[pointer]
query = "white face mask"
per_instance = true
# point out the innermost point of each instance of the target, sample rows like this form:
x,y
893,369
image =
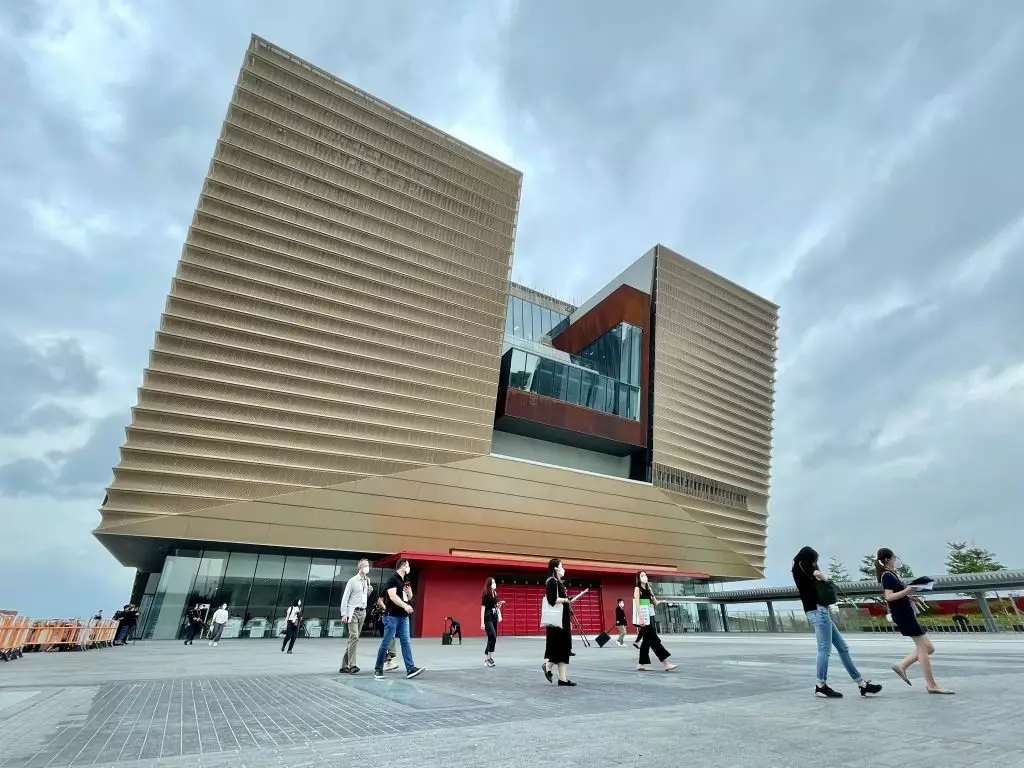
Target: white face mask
x,y
643,578
299,604
560,571
364,570
896,563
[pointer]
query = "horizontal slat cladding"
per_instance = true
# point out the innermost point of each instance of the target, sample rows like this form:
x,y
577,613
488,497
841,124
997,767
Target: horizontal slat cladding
x,y
309,378
230,179
290,478
338,310
313,423
745,533
300,133
286,228
338,334
714,377
356,290
354,185
272,102
362,403
393,126
218,236
224,344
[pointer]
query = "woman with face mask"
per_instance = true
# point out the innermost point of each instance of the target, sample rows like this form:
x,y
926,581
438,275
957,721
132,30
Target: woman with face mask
x,y
490,615
643,606
292,622
220,618
558,645
897,595
807,577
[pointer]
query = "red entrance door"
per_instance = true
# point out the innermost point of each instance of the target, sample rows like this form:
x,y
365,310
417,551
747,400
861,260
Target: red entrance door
x,y
521,614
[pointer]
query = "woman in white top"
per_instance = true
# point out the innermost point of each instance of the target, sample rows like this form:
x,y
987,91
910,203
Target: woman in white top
x,y
220,618
292,622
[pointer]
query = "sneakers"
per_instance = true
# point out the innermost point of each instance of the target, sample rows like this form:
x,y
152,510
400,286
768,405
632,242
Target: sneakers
x,y
390,666
414,672
378,674
211,643
214,645
345,671
869,688
488,662
824,692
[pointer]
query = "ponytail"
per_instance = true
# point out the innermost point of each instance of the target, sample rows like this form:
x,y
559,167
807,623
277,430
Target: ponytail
x,y
880,557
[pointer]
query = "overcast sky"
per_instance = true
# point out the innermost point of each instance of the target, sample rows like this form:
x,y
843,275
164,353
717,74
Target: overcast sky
x,y
861,164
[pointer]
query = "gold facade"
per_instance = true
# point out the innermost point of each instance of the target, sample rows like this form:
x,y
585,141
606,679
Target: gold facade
x,y
714,392
337,311
325,371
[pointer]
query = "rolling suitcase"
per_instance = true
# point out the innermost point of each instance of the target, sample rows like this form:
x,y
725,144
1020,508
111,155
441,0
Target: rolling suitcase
x,y
602,639
446,636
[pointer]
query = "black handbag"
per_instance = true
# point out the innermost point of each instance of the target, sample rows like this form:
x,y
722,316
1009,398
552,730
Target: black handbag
x,y
826,592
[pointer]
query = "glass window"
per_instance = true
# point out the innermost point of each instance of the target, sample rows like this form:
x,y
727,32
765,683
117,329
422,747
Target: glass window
x,y
634,403
623,404
517,317
634,367
208,580
610,397
528,320
550,321
573,395
266,586
623,354
600,393
559,384
587,389
508,316
237,583
317,604
538,322
293,584
176,580
517,370
532,361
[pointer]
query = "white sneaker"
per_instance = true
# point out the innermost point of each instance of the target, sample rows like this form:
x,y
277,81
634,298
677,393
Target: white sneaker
x,y
391,666
214,645
211,643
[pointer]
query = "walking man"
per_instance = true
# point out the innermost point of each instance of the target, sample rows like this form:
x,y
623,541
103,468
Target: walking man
x,y
396,622
220,618
620,621
353,613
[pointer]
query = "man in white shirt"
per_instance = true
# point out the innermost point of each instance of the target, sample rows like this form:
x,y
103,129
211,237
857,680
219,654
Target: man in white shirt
x,y
220,618
353,612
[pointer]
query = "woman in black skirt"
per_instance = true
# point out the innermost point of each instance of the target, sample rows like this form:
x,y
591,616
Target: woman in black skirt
x,y
897,595
558,647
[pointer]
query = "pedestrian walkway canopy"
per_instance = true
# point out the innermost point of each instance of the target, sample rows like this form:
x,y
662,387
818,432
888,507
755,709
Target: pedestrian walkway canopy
x,y
971,583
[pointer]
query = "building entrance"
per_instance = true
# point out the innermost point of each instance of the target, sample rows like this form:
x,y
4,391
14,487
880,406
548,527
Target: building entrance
x,y
521,613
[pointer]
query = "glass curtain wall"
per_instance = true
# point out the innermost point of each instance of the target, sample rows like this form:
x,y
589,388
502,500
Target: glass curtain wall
x,y
527,320
572,384
258,589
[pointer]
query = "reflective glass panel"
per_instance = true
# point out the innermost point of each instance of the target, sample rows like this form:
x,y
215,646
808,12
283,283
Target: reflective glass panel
x,y
587,385
172,593
623,404
573,395
517,317
508,316
634,403
318,611
528,320
637,357
266,586
538,322
517,376
237,583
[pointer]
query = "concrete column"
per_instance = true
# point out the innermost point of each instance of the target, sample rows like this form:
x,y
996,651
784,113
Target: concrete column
x,y
986,612
725,617
773,624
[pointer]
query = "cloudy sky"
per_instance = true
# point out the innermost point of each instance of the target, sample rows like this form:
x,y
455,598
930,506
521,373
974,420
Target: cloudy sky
x,y
858,163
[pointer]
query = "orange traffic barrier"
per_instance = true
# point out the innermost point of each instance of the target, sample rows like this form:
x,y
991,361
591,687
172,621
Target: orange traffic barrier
x,y
13,633
19,633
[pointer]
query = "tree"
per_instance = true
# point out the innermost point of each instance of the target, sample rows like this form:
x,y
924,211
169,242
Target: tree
x,y
969,558
836,570
867,569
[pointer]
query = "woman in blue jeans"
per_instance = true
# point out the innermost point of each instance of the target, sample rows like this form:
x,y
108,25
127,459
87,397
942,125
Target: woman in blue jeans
x,y
806,576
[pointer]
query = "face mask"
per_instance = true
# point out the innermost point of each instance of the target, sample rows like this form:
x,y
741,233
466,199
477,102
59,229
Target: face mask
x,y
365,569
896,563
299,603
560,571
643,578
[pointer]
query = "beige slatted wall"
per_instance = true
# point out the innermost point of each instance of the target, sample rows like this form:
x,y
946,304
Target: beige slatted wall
x,y
714,390
338,308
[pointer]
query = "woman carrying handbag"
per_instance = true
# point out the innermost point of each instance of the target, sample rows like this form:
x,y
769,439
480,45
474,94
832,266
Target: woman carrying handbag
x,y
643,606
555,618
817,595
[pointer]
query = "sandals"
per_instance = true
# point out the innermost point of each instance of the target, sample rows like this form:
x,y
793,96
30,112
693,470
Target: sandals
x,y
902,673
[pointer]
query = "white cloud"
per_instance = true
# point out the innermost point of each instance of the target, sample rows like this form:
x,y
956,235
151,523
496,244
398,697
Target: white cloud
x,y
84,51
975,271
62,223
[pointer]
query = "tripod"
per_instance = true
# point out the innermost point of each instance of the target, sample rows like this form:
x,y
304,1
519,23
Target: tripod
x,y
579,627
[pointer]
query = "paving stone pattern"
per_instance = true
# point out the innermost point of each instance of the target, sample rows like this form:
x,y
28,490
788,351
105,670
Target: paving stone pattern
x,y
734,702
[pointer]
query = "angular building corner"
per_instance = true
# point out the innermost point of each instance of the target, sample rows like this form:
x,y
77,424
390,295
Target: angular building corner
x,y
344,369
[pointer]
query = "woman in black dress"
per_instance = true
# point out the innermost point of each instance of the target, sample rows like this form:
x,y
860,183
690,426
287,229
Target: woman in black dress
x,y
897,595
558,646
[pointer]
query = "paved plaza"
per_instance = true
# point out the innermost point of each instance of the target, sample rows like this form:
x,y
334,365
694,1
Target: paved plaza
x,y
735,701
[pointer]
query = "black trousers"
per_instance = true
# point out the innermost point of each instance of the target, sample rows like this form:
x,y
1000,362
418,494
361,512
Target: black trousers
x,y
491,628
193,630
291,631
649,641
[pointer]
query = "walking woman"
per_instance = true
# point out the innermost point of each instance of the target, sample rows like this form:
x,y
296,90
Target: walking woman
x,y
897,595
643,606
490,612
817,595
292,622
558,643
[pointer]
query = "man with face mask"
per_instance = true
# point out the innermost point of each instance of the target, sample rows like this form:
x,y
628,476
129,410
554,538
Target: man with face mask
x,y
353,612
220,618
396,621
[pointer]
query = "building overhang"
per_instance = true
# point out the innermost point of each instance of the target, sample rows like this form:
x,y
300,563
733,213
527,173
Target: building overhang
x,y
576,568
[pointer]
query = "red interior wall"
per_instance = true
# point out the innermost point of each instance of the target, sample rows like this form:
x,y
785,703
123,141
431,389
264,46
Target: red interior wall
x,y
612,588
447,591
